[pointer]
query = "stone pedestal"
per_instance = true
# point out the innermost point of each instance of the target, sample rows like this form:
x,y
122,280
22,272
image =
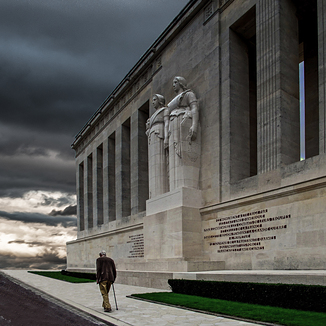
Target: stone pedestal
x,y
172,225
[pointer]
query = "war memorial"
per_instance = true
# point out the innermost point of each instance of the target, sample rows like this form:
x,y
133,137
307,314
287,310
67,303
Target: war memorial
x,y
199,163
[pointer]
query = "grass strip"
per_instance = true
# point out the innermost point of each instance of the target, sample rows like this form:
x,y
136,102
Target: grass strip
x,y
282,316
66,278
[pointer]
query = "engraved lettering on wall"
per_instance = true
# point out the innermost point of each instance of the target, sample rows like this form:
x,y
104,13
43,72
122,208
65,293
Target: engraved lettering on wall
x,y
136,246
239,232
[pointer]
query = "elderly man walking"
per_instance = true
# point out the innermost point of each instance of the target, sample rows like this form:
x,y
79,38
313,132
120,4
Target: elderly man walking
x,y
105,276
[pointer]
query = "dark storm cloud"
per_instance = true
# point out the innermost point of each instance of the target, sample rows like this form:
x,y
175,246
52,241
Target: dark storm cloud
x,y
59,202
24,173
59,60
65,221
47,260
68,211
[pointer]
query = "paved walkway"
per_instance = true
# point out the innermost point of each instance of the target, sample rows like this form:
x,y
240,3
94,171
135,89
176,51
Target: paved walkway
x,y
87,297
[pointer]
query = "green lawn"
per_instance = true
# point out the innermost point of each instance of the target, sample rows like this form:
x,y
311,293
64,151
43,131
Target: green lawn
x,y
59,276
275,315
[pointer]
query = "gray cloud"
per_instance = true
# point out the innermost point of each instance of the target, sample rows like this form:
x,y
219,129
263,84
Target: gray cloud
x,y
68,211
64,58
29,243
15,140
22,173
47,260
65,221
59,60
59,202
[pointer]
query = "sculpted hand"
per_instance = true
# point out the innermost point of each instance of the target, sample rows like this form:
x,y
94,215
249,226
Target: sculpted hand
x,y
192,133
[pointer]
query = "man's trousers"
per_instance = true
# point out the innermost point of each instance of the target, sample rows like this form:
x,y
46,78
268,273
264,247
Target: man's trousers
x,y
105,288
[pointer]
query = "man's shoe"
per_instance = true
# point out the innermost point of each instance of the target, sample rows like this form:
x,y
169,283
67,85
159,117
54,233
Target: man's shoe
x,y
107,310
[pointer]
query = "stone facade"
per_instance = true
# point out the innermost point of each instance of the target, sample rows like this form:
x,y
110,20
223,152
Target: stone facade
x,y
235,196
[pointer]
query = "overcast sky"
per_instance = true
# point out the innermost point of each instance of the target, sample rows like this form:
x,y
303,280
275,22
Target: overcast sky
x,y
59,60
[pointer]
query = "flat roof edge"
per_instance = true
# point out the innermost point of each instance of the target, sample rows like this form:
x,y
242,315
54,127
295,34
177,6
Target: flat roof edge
x,y
177,24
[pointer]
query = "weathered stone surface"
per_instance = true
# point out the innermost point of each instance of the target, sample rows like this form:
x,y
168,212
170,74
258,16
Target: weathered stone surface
x,y
233,194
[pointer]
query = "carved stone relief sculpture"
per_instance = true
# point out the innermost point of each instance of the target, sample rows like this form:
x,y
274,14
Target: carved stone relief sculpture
x,y
184,137
157,133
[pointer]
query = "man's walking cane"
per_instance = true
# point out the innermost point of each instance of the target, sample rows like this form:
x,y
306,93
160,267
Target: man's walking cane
x,y
115,299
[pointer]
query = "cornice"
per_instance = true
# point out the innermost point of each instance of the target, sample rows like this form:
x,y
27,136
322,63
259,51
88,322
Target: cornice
x,y
151,59
265,196
143,71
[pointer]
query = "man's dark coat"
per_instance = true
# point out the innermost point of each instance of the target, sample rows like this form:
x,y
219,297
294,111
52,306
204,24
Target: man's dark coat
x,y
105,269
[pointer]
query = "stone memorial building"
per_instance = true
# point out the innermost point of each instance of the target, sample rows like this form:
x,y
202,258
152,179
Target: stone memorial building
x,y
210,155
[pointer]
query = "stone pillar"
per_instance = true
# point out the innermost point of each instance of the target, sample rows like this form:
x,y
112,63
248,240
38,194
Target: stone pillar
x,y
94,187
139,162
111,178
98,186
321,12
89,192
80,185
134,162
105,182
122,168
277,84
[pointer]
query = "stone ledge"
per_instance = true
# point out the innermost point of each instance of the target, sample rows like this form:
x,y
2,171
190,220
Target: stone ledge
x,y
107,233
280,192
172,265
183,196
159,279
308,277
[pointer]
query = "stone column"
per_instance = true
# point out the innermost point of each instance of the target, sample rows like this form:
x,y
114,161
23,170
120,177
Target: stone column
x,y
134,162
89,193
94,187
321,12
139,162
80,185
277,84
98,186
111,171
122,168
105,182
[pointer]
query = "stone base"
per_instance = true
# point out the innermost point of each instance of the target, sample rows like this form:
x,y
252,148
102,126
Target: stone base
x,y
263,237
283,228
311,277
173,228
159,279
172,265
156,280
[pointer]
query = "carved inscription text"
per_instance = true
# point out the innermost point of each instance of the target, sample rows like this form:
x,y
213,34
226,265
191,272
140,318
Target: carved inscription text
x,y
239,232
137,246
